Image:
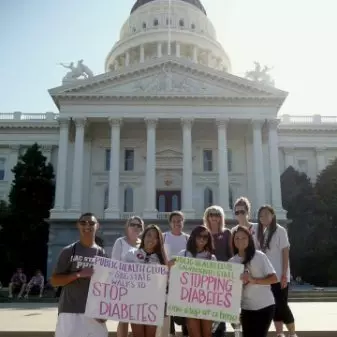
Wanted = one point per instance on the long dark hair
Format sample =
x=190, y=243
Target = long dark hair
x=271, y=228
x=191, y=245
x=159, y=249
x=250, y=250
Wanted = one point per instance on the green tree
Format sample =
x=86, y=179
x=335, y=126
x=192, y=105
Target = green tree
x=30, y=200
x=299, y=200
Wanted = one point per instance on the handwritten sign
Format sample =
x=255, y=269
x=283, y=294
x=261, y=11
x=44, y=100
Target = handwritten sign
x=205, y=289
x=127, y=292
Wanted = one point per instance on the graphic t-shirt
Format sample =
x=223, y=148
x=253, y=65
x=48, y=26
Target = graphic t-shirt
x=140, y=256
x=223, y=245
x=72, y=259
x=202, y=255
x=256, y=296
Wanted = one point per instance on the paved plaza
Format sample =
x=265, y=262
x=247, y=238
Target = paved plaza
x=33, y=319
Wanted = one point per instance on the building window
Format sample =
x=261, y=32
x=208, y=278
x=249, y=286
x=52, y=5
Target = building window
x=208, y=197
x=129, y=156
x=162, y=203
x=181, y=23
x=303, y=165
x=128, y=199
x=230, y=198
x=144, y=25
x=2, y=168
x=208, y=160
x=107, y=159
x=155, y=22
x=106, y=198
x=193, y=26
x=230, y=160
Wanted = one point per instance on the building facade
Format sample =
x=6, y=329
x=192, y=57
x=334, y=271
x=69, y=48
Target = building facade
x=166, y=127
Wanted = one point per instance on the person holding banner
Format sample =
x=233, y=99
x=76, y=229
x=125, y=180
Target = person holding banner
x=272, y=239
x=200, y=245
x=214, y=220
x=73, y=272
x=133, y=228
x=257, y=303
x=151, y=250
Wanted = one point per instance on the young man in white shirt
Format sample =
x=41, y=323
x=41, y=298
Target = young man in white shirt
x=174, y=242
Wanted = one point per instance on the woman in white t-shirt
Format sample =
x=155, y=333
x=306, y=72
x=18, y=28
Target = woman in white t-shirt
x=257, y=303
x=131, y=241
x=273, y=240
x=151, y=250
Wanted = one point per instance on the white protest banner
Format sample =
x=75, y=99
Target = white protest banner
x=205, y=289
x=127, y=292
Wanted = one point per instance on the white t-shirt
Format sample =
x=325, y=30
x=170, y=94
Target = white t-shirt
x=173, y=244
x=256, y=296
x=140, y=256
x=121, y=248
x=278, y=242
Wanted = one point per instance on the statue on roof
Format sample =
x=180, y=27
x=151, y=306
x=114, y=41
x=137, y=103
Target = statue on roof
x=260, y=75
x=81, y=70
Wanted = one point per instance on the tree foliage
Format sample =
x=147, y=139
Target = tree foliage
x=24, y=236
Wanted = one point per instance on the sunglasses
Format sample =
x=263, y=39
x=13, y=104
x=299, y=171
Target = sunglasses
x=203, y=237
x=240, y=212
x=90, y=223
x=135, y=225
x=214, y=214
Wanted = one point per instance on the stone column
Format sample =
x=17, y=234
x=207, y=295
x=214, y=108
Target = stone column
x=258, y=163
x=150, y=211
x=223, y=165
x=159, y=50
x=62, y=168
x=77, y=183
x=195, y=54
x=112, y=212
x=289, y=159
x=142, y=54
x=177, y=49
x=320, y=159
x=46, y=151
x=13, y=160
x=275, y=182
x=127, y=58
x=187, y=205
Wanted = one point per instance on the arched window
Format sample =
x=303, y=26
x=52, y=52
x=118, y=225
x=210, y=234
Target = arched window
x=181, y=23
x=144, y=25
x=128, y=199
x=106, y=198
x=155, y=22
x=175, y=202
x=208, y=197
x=193, y=26
x=162, y=203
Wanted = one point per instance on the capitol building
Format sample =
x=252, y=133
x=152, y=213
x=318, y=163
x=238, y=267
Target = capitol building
x=167, y=126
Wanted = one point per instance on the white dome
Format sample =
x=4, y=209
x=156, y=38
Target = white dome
x=146, y=33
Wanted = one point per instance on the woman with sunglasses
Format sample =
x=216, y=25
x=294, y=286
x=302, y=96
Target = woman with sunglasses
x=242, y=209
x=257, y=302
x=151, y=250
x=131, y=241
x=200, y=245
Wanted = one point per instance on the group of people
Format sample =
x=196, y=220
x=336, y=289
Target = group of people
x=262, y=247
x=19, y=282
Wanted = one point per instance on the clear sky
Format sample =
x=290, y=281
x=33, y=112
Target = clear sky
x=296, y=37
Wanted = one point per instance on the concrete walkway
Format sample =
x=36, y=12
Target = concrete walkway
x=41, y=317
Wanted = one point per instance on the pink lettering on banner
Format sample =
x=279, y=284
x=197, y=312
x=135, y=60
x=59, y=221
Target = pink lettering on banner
x=109, y=291
x=130, y=312
x=204, y=289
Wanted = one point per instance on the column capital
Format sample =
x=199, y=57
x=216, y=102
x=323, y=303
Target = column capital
x=63, y=122
x=257, y=123
x=80, y=122
x=273, y=124
x=186, y=122
x=320, y=149
x=223, y=122
x=151, y=122
x=115, y=122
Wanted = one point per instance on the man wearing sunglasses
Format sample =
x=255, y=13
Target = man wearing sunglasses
x=73, y=272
